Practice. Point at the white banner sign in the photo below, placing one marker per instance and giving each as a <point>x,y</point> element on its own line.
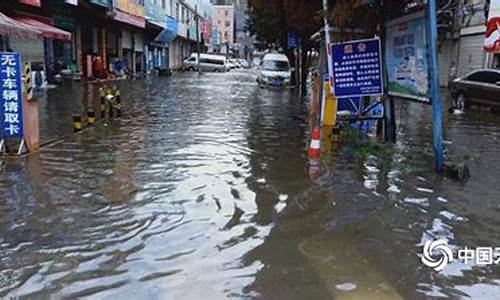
<point>492,41</point>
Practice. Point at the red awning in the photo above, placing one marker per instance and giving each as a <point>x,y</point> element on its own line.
<point>47,30</point>
<point>13,28</point>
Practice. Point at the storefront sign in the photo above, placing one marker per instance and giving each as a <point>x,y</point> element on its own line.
<point>492,40</point>
<point>155,14</point>
<point>130,19</point>
<point>357,68</point>
<point>31,2</point>
<point>131,12</point>
<point>11,96</point>
<point>406,58</point>
<point>132,7</point>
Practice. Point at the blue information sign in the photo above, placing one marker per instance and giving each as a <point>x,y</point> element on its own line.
<point>11,95</point>
<point>357,68</point>
<point>293,40</point>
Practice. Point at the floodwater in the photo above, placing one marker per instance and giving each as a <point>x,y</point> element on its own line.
<point>203,191</point>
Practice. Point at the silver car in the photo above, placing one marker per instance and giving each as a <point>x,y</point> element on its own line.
<point>208,63</point>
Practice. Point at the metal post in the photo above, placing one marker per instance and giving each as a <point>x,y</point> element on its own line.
<point>434,77</point>
<point>388,101</point>
<point>296,53</point>
<point>328,41</point>
<point>197,37</point>
<point>2,147</point>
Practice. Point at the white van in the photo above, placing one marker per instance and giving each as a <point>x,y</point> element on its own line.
<point>275,70</point>
<point>208,63</point>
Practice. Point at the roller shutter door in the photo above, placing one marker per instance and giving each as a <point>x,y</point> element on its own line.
<point>31,50</point>
<point>126,39</point>
<point>139,44</point>
<point>471,55</point>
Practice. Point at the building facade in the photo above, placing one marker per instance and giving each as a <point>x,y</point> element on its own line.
<point>102,38</point>
<point>461,45</point>
<point>225,22</point>
<point>193,17</point>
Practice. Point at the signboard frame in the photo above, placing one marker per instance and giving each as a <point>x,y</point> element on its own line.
<point>420,17</point>
<point>380,67</point>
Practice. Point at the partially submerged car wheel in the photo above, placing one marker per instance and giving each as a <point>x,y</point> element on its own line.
<point>461,102</point>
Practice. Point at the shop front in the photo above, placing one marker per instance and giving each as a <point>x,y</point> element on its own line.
<point>156,22</point>
<point>131,14</point>
<point>41,53</point>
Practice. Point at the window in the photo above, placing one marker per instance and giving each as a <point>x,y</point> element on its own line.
<point>212,61</point>
<point>484,77</point>
<point>228,23</point>
<point>275,65</point>
<point>226,13</point>
<point>164,4</point>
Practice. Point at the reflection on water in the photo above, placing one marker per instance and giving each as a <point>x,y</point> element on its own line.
<point>202,191</point>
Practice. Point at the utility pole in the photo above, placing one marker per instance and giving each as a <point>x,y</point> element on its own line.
<point>197,38</point>
<point>435,91</point>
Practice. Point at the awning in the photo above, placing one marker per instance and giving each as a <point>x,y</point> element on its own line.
<point>168,34</point>
<point>13,28</point>
<point>47,30</point>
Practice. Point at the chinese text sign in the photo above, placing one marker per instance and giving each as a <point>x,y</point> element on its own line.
<point>11,96</point>
<point>357,68</point>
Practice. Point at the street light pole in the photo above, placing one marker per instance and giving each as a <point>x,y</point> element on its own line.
<point>197,38</point>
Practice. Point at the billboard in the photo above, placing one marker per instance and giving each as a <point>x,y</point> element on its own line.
<point>357,68</point>
<point>407,58</point>
<point>492,39</point>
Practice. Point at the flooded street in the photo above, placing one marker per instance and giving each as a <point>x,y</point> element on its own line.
<point>202,191</point>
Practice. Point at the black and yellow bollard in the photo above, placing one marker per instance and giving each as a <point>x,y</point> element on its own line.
<point>77,123</point>
<point>90,117</point>
<point>102,107</point>
<point>110,99</point>
<point>118,105</point>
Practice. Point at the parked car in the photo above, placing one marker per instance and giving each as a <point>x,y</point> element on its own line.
<point>477,87</point>
<point>275,71</point>
<point>235,62</point>
<point>244,63</point>
<point>208,63</point>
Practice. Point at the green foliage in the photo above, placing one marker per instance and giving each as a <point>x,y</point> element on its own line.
<point>364,148</point>
<point>271,20</point>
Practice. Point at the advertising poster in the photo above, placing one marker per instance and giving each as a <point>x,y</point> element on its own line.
<point>357,68</point>
<point>406,58</point>
<point>492,39</point>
